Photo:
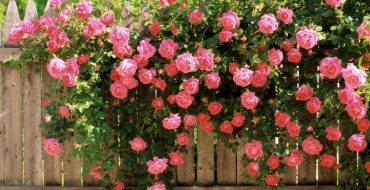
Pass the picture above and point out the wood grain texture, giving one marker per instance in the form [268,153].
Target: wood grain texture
[11,18]
[49,11]
[13,125]
[31,121]
[31,12]
[72,165]
[226,165]
[9,53]
[240,163]
[290,177]
[327,176]
[143,17]
[2,129]
[307,170]
[186,172]
[205,161]
[127,18]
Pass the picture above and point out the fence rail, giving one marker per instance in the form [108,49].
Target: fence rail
[23,166]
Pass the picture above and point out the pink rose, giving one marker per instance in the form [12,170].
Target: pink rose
[155,27]
[55,3]
[293,129]
[53,45]
[287,45]
[275,56]
[253,168]
[174,30]
[207,127]
[294,56]
[203,118]
[367,166]
[254,149]
[52,147]
[69,80]
[259,79]
[157,165]
[272,180]
[64,112]
[249,100]
[184,100]
[137,144]
[129,82]
[53,31]
[212,80]
[264,68]
[107,18]
[71,67]
[165,3]
[306,38]
[94,28]
[83,58]
[268,24]
[119,185]
[332,133]
[182,139]
[196,17]
[353,77]
[273,162]
[327,160]
[119,36]
[233,68]
[334,3]
[281,119]
[176,158]
[84,9]
[145,49]
[303,93]
[56,67]
[120,51]
[63,16]
[347,96]
[356,110]
[243,77]
[238,119]
[230,20]
[205,59]
[330,67]
[191,86]
[171,99]
[15,35]
[186,62]
[294,159]
[285,15]
[190,120]
[313,105]
[312,146]
[141,61]
[127,68]
[363,125]
[226,127]
[357,142]
[157,103]
[118,90]
[146,76]
[167,48]
[45,22]
[214,107]
[172,122]
[363,30]
[160,83]
[225,35]
[95,172]
[171,69]
[157,186]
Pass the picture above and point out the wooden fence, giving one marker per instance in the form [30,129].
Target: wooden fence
[24,166]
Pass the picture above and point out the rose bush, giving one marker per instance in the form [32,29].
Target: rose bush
[291,70]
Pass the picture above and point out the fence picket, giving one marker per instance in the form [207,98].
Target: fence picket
[226,165]
[186,172]
[49,11]
[11,18]
[127,18]
[240,163]
[205,161]
[2,129]
[142,17]
[71,164]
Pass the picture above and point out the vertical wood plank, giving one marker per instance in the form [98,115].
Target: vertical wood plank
[186,172]
[13,125]
[127,18]
[327,176]
[11,18]
[241,164]
[290,177]
[49,11]
[307,170]
[226,165]
[205,162]
[143,17]
[31,12]
[72,165]
[2,130]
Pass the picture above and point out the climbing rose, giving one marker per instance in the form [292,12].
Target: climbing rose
[165,3]
[264,68]
[230,20]
[285,15]
[146,76]
[137,144]
[249,100]
[172,122]
[94,28]
[330,67]
[233,68]
[119,185]
[294,159]
[327,160]
[127,68]
[273,162]
[129,82]
[272,180]
[357,142]
[96,173]
[313,105]
[356,110]
[238,119]
[225,35]
[190,120]
[253,168]
[214,107]
[171,99]
[182,139]
[243,77]
[294,56]
[347,96]
[157,165]
[254,149]
[306,38]
[83,58]
[64,112]
[69,80]
[55,3]
[141,61]
[259,79]
[196,17]
[56,67]
[332,133]
[171,69]
[353,77]
[275,56]
[281,119]
[268,24]
[203,118]
[212,80]
[63,16]
[107,18]
[293,129]
[118,90]
[167,48]
[52,147]
[367,166]
[184,100]
[226,127]
[157,186]
[186,62]
[303,93]
[363,30]
[191,86]
[146,49]
[334,3]
[312,146]
[208,127]
[119,36]
[176,158]
[157,103]
[120,51]
[84,9]
[205,59]
[287,45]
[363,125]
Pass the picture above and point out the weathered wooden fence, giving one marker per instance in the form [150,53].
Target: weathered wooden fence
[24,166]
